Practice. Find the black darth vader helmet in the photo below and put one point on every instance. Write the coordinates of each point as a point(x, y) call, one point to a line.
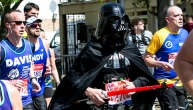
point(113, 24)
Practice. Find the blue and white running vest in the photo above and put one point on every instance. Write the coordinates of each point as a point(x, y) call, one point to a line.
point(5, 103)
point(16, 66)
point(40, 59)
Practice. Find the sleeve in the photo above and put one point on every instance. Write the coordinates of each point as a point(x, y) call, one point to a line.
point(154, 44)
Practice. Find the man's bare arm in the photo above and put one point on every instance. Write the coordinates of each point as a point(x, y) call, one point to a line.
point(152, 62)
point(183, 64)
point(15, 96)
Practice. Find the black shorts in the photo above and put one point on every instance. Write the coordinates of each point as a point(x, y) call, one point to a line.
point(171, 98)
point(48, 92)
point(39, 103)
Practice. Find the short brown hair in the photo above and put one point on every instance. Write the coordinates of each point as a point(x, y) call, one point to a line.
point(135, 21)
point(8, 17)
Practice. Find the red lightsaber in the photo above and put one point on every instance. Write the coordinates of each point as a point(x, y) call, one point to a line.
point(125, 91)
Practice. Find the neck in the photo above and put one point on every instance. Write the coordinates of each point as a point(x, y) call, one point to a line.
point(15, 40)
point(173, 29)
point(33, 39)
point(137, 31)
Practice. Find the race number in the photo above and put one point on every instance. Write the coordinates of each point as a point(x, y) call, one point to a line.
point(24, 89)
point(117, 99)
point(172, 57)
point(38, 70)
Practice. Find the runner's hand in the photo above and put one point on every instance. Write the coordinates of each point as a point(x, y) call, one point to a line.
point(166, 66)
point(35, 86)
point(48, 70)
point(17, 83)
point(128, 85)
point(96, 95)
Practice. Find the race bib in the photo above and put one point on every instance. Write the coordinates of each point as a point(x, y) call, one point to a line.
point(24, 89)
point(172, 57)
point(118, 99)
point(38, 70)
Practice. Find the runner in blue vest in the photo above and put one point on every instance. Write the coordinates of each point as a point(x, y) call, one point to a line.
point(16, 54)
point(40, 59)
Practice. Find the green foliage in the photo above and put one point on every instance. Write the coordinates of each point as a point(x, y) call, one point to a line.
point(143, 3)
point(5, 6)
point(6, 3)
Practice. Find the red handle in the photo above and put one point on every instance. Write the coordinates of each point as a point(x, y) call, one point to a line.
point(125, 91)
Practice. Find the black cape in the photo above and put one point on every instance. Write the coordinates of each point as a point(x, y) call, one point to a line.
point(87, 66)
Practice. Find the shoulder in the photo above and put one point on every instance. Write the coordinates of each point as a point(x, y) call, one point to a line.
point(147, 32)
point(184, 31)
point(46, 43)
point(51, 50)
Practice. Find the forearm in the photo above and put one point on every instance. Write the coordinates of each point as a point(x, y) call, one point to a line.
point(55, 75)
point(152, 62)
point(184, 71)
point(31, 74)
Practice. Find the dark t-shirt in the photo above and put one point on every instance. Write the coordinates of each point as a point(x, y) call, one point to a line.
point(188, 27)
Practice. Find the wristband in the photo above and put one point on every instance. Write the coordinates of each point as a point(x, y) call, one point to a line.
point(33, 78)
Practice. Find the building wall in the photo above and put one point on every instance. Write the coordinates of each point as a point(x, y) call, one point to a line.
point(47, 9)
point(90, 9)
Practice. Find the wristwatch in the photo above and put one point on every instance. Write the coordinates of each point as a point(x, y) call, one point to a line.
point(33, 78)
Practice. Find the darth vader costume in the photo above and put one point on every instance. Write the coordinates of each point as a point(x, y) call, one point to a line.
point(108, 57)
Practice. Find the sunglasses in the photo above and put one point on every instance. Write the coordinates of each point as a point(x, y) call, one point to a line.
point(19, 22)
point(34, 25)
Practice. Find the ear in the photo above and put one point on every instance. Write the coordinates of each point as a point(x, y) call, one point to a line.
point(167, 19)
point(7, 25)
point(26, 29)
point(135, 26)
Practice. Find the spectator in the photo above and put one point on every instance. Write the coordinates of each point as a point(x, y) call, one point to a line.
point(140, 37)
point(165, 44)
point(189, 23)
point(108, 58)
point(16, 53)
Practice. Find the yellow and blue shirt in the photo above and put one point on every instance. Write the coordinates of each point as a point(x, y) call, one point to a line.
point(165, 45)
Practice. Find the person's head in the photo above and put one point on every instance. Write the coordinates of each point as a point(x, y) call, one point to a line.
point(42, 33)
point(174, 17)
point(137, 24)
point(33, 26)
point(113, 24)
point(189, 18)
point(15, 23)
point(31, 9)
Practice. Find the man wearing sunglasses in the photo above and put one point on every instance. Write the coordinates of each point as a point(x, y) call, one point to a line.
point(16, 54)
point(40, 59)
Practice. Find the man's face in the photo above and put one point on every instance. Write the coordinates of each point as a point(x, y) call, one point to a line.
point(175, 18)
point(139, 26)
point(17, 24)
point(32, 12)
point(34, 29)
